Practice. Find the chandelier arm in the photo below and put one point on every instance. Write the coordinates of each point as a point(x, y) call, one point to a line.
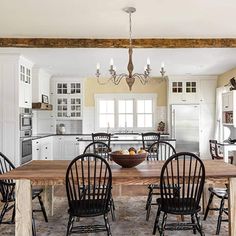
point(143, 79)
point(103, 83)
point(117, 78)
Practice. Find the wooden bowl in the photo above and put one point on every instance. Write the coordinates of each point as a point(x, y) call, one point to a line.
point(128, 161)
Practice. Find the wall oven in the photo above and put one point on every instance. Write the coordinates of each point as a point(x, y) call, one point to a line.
point(26, 134)
point(26, 150)
point(25, 119)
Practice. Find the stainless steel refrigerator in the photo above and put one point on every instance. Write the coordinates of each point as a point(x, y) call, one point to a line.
point(185, 127)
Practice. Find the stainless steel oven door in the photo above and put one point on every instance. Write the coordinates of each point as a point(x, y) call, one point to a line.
point(26, 150)
point(25, 122)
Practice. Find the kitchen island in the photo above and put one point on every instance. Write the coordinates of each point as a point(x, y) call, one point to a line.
point(68, 146)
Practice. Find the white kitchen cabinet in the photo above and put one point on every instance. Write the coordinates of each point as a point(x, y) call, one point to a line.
point(207, 90)
point(40, 84)
point(66, 147)
point(183, 91)
point(11, 97)
point(25, 85)
point(42, 149)
point(67, 98)
point(227, 101)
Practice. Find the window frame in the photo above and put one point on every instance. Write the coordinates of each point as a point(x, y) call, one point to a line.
point(125, 96)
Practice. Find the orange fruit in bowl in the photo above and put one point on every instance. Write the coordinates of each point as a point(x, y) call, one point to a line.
point(132, 152)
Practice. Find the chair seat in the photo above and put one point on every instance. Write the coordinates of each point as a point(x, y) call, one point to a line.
point(178, 206)
point(86, 210)
point(219, 192)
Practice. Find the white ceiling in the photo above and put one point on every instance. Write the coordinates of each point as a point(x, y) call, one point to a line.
point(105, 19)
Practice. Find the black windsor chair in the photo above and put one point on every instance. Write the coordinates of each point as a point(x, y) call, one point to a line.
point(215, 152)
point(103, 137)
point(149, 138)
point(159, 150)
point(103, 151)
point(7, 189)
point(187, 172)
point(88, 187)
point(220, 193)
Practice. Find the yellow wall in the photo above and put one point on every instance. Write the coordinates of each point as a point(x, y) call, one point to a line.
point(224, 78)
point(153, 86)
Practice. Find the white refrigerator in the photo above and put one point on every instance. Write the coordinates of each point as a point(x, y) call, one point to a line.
point(185, 127)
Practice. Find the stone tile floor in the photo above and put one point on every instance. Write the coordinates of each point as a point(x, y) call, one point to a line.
point(130, 214)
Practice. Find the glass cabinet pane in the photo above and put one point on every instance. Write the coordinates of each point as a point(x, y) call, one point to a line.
point(75, 88)
point(62, 88)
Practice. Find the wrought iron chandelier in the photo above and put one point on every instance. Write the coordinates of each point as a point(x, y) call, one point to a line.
point(130, 77)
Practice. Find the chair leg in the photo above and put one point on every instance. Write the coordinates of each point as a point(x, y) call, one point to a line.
point(194, 224)
point(3, 212)
point(199, 225)
point(13, 214)
point(149, 204)
point(163, 224)
point(148, 198)
point(208, 206)
point(33, 226)
point(69, 225)
point(112, 207)
point(108, 228)
point(220, 216)
point(43, 208)
point(156, 221)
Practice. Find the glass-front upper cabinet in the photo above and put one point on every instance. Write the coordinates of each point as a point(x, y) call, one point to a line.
point(68, 99)
point(69, 88)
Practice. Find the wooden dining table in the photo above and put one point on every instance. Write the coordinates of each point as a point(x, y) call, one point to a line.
point(49, 173)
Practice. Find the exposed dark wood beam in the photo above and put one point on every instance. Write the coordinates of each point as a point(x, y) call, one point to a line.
point(118, 43)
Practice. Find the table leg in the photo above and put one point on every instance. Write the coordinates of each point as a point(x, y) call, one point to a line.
point(232, 206)
point(226, 154)
point(23, 206)
point(48, 199)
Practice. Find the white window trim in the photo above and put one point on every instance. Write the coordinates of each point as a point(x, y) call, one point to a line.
point(121, 96)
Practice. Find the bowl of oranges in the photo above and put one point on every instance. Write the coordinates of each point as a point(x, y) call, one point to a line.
point(129, 158)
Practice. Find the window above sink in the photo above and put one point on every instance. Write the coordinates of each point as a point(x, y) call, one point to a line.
point(125, 113)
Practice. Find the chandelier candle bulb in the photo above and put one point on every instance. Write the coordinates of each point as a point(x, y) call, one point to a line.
point(148, 61)
point(111, 62)
point(162, 65)
point(98, 66)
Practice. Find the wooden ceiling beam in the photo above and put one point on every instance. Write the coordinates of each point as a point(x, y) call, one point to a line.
point(118, 43)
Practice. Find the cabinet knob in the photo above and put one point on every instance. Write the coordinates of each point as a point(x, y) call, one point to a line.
point(37, 149)
point(26, 102)
point(183, 100)
point(46, 148)
point(46, 158)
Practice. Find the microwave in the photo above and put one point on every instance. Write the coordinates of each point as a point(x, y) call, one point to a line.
point(25, 119)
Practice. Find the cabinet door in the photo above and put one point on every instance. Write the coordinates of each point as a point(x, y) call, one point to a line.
point(69, 149)
point(191, 91)
point(58, 148)
point(45, 151)
point(207, 90)
point(176, 92)
point(75, 108)
point(36, 149)
point(25, 87)
point(227, 101)
point(62, 107)
point(75, 88)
